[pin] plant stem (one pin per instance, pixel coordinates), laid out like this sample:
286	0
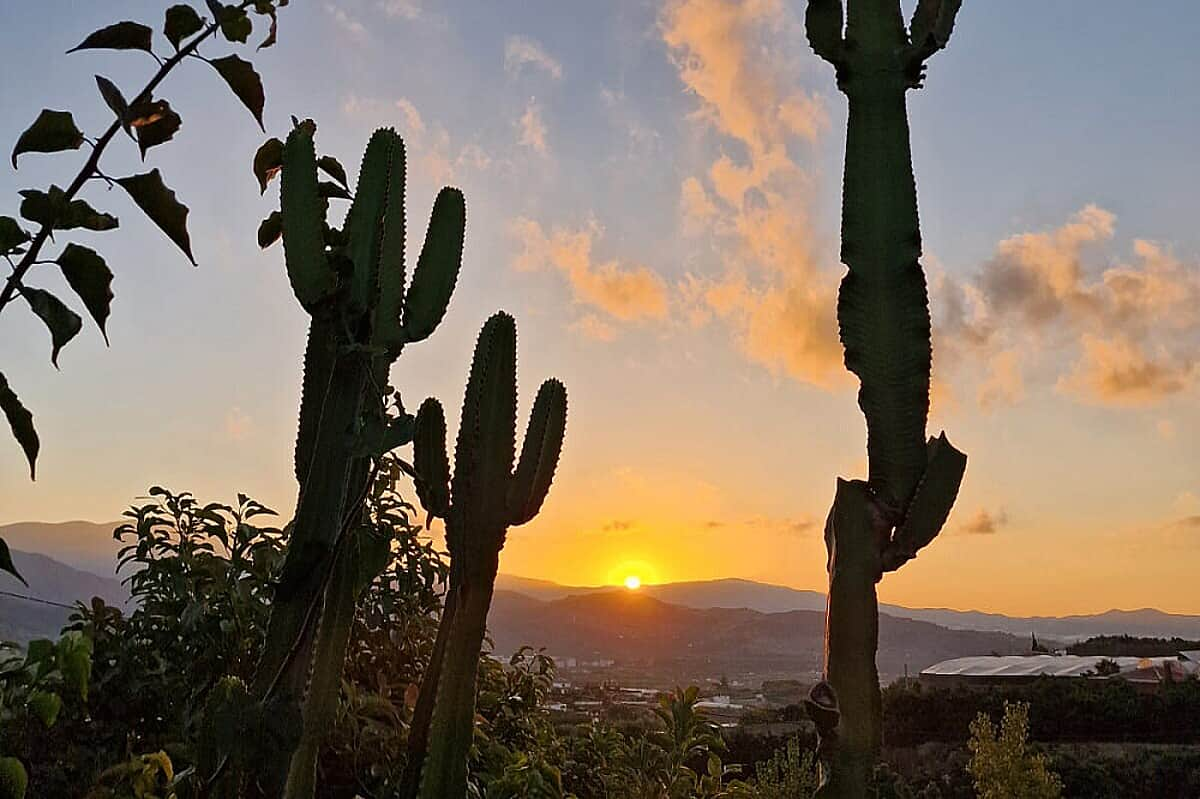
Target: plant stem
13	283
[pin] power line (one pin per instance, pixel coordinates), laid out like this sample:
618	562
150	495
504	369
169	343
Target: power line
36	599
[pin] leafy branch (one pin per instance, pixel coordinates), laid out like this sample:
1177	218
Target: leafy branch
148	121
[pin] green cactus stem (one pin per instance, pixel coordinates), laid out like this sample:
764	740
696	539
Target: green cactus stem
883	318
352	283
485	496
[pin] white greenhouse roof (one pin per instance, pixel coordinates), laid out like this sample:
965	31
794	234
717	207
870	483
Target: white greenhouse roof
1033	665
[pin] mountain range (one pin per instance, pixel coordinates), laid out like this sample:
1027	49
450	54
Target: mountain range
712	615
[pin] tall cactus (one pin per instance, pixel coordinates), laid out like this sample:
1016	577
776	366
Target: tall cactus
883	316
485	497
352	283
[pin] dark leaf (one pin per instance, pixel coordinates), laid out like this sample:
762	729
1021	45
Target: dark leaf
121	36
20	420
63	323
11	234
159	203
182	22
267	162
114	100
330	189
235	23
53	209
332	167
271	34
244	81
91	279
147	112
270	230
6	563
162	129
51	132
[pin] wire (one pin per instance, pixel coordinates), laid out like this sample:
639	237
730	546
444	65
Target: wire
36	599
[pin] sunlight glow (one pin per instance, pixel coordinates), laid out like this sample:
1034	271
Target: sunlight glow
633	582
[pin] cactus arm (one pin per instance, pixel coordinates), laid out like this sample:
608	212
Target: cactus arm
851	638
823	21
931	504
932	24
437	268
539	453
303	215
430	462
452	728
364	221
388	332
484	451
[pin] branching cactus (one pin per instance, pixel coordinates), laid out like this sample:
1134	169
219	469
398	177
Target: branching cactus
883	315
352	282
484	498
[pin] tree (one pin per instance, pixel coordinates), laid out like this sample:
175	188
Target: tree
1002	765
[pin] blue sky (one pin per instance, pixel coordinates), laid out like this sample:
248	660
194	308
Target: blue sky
652	190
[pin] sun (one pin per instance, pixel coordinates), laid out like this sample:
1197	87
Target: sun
633	582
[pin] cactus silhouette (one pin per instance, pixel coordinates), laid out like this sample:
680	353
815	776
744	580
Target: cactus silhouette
352	282
483	499
879	524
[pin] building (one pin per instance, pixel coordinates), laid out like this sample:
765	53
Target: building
1017	669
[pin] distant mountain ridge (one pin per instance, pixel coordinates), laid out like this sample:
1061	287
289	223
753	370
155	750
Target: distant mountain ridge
638	631
52	582
767	598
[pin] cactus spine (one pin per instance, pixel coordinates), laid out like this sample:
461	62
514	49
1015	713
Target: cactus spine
483	499
352	283
883	317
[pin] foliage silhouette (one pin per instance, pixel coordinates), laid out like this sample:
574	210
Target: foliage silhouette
150	121
879	524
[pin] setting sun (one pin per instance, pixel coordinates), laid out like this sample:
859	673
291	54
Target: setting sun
633	582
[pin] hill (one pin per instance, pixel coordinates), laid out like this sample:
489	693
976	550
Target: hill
637	630
88	546
51	582
767	598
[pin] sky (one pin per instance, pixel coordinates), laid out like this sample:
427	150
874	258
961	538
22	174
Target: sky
653	191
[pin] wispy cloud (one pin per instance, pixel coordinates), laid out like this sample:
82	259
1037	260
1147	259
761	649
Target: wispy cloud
346	21
532	128
624	292
522	51
429	147
984	522
773	294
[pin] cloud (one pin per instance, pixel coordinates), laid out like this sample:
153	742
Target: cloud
238	424
595	328
532	128
428	148
773	294
522	51
1004	384
984	522
625	293
347	23
1188	522
1118	332
403	9
1119	372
